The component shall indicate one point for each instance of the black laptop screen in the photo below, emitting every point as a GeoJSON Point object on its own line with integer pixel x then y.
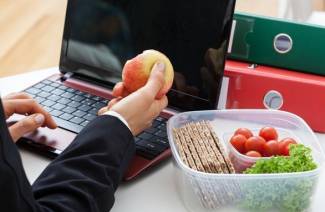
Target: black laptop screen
{"type": "Point", "coordinates": [100, 35]}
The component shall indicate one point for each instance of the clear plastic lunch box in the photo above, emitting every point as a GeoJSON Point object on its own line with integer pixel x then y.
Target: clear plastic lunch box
{"type": "Point", "coordinates": [251, 192]}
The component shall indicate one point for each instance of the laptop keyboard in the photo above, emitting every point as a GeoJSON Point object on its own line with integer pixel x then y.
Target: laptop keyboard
{"type": "Point", "coordinates": [73, 110]}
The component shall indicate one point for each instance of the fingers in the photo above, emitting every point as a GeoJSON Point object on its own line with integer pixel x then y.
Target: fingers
{"type": "Point", "coordinates": [110, 104]}
{"type": "Point", "coordinates": [156, 80]}
{"type": "Point", "coordinates": [28, 106]}
{"type": "Point", "coordinates": [162, 103]}
{"type": "Point", "coordinates": [113, 102]}
{"type": "Point", "coordinates": [26, 125]}
{"type": "Point", "coordinates": [159, 105]}
{"type": "Point", "coordinates": [20, 95]}
{"type": "Point", "coordinates": [119, 90]}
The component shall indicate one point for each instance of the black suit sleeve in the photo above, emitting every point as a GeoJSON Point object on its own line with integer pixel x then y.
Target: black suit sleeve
{"type": "Point", "coordinates": [83, 178]}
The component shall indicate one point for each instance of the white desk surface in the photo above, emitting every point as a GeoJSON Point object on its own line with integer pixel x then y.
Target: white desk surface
{"type": "Point", "coordinates": [153, 191]}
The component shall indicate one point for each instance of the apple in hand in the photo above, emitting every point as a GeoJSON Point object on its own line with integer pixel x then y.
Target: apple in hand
{"type": "Point", "coordinates": [136, 71]}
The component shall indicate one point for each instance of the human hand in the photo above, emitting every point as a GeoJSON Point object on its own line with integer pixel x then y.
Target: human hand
{"type": "Point", "coordinates": [22, 103]}
{"type": "Point", "coordinates": [141, 107]}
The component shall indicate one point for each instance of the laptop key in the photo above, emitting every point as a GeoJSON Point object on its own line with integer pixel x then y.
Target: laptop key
{"type": "Point", "coordinates": [47, 88]}
{"type": "Point", "coordinates": [48, 109]}
{"type": "Point", "coordinates": [148, 150]}
{"type": "Point", "coordinates": [78, 98]}
{"type": "Point", "coordinates": [54, 97]}
{"type": "Point", "coordinates": [67, 125]}
{"type": "Point", "coordinates": [96, 98]}
{"type": "Point", "coordinates": [89, 117]}
{"type": "Point", "coordinates": [93, 111]}
{"type": "Point", "coordinates": [47, 82]}
{"type": "Point", "coordinates": [99, 105]}
{"type": "Point", "coordinates": [146, 153]}
{"type": "Point", "coordinates": [57, 92]}
{"type": "Point", "coordinates": [159, 140]}
{"type": "Point", "coordinates": [79, 113]}
{"type": "Point", "coordinates": [33, 91]}
{"type": "Point", "coordinates": [161, 119]}
{"type": "Point", "coordinates": [84, 123]}
{"type": "Point", "coordinates": [161, 133]}
{"type": "Point", "coordinates": [66, 116]}
{"type": "Point", "coordinates": [84, 108]}
{"type": "Point", "coordinates": [88, 102]}
{"type": "Point", "coordinates": [162, 126]}
{"type": "Point", "coordinates": [44, 94]}
{"type": "Point", "coordinates": [151, 130]}
{"type": "Point", "coordinates": [63, 87]}
{"type": "Point", "coordinates": [56, 113]}
{"type": "Point", "coordinates": [78, 92]}
{"type": "Point", "coordinates": [75, 104]}
{"type": "Point", "coordinates": [67, 95]}
{"type": "Point", "coordinates": [55, 84]}
{"type": "Point", "coordinates": [88, 95]}
{"type": "Point", "coordinates": [39, 85]}
{"type": "Point", "coordinates": [155, 123]}
{"type": "Point", "coordinates": [145, 135]}
{"type": "Point", "coordinates": [105, 101]}
{"type": "Point", "coordinates": [69, 109]}
{"type": "Point", "coordinates": [77, 120]}
{"type": "Point", "coordinates": [48, 103]}
{"type": "Point", "coordinates": [64, 101]}
{"type": "Point", "coordinates": [40, 99]}
{"type": "Point", "coordinates": [71, 90]}
{"type": "Point", "coordinates": [151, 146]}
{"type": "Point", "coordinates": [58, 106]}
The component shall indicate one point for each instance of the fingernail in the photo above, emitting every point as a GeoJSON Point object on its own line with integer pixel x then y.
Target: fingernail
{"type": "Point", "coordinates": [161, 66]}
{"type": "Point", "coordinates": [39, 119]}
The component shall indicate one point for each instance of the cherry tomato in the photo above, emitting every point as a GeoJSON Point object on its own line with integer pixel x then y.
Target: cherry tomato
{"type": "Point", "coordinates": [244, 131]}
{"type": "Point", "coordinates": [284, 145]}
{"type": "Point", "coordinates": [271, 148]}
{"type": "Point", "coordinates": [238, 141]}
{"type": "Point", "coordinates": [268, 133]}
{"type": "Point", "coordinates": [253, 154]}
{"type": "Point", "coordinates": [255, 143]}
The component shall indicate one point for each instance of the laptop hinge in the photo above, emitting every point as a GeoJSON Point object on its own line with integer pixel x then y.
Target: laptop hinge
{"type": "Point", "coordinates": [66, 76]}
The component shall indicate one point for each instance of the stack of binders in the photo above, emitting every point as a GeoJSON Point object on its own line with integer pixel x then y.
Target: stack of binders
{"type": "Point", "coordinates": [279, 65]}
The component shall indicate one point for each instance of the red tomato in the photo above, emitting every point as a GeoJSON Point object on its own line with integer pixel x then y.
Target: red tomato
{"type": "Point", "coordinates": [255, 143]}
{"type": "Point", "coordinates": [284, 145]}
{"type": "Point", "coordinates": [244, 131]}
{"type": "Point", "coordinates": [268, 133]}
{"type": "Point", "coordinates": [253, 154]}
{"type": "Point", "coordinates": [238, 141]}
{"type": "Point", "coordinates": [271, 148]}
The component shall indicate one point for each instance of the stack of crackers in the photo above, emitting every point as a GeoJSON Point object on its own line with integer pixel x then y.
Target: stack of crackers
{"type": "Point", "coordinates": [200, 148]}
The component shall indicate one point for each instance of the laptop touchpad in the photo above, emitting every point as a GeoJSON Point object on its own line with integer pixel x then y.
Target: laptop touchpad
{"type": "Point", "coordinates": [58, 139]}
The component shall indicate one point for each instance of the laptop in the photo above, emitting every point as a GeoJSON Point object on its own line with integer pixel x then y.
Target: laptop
{"type": "Point", "coordinates": [101, 35]}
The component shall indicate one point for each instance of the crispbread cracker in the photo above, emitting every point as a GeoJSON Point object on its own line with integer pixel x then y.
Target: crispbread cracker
{"type": "Point", "coordinates": [180, 147]}
{"type": "Point", "coordinates": [221, 148]}
{"type": "Point", "coordinates": [192, 150]}
{"type": "Point", "coordinates": [212, 160]}
{"type": "Point", "coordinates": [200, 148]}
{"type": "Point", "coordinates": [183, 146]}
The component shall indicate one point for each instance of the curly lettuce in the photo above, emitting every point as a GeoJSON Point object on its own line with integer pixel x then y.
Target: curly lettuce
{"type": "Point", "coordinates": [281, 194]}
{"type": "Point", "coordinates": [300, 160]}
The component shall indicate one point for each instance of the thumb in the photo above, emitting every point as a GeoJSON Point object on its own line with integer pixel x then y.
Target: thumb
{"type": "Point", "coordinates": [26, 125]}
{"type": "Point", "coordinates": [157, 79]}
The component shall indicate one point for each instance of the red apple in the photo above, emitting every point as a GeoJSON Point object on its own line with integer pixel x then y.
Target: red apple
{"type": "Point", "coordinates": [136, 71]}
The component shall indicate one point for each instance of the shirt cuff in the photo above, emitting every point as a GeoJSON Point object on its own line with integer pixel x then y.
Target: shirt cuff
{"type": "Point", "coordinates": [117, 115]}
